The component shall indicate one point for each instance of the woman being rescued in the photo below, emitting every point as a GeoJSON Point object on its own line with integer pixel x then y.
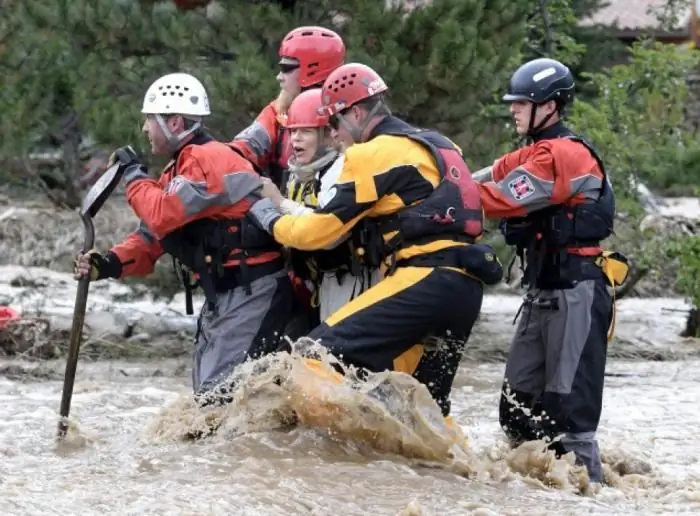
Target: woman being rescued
{"type": "Point", "coordinates": [332, 276]}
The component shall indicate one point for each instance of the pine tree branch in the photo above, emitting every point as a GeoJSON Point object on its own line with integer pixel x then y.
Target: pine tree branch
{"type": "Point", "coordinates": [547, 29]}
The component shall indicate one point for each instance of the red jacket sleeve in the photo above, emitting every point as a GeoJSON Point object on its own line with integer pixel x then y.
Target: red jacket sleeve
{"type": "Point", "coordinates": [524, 181]}
{"type": "Point", "coordinates": [201, 189]}
{"type": "Point", "coordinates": [138, 253]}
{"type": "Point", "coordinates": [258, 142]}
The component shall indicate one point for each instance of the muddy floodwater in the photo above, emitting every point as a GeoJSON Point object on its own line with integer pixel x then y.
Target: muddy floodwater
{"type": "Point", "coordinates": [127, 451]}
{"type": "Point", "coordinates": [121, 458]}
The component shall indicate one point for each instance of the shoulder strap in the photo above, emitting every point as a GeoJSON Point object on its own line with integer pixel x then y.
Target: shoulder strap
{"type": "Point", "coordinates": [595, 155]}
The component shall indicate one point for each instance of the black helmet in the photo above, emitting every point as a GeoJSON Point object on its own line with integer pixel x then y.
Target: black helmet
{"type": "Point", "coordinates": [541, 80]}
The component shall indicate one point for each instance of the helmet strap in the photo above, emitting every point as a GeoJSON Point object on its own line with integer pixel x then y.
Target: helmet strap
{"type": "Point", "coordinates": [311, 86]}
{"type": "Point", "coordinates": [175, 142]}
{"type": "Point", "coordinates": [356, 130]}
{"type": "Point", "coordinates": [531, 129]}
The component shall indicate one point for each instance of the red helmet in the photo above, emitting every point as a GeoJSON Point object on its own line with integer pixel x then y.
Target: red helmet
{"type": "Point", "coordinates": [318, 51]}
{"type": "Point", "coordinates": [350, 84]}
{"type": "Point", "coordinates": [307, 111]}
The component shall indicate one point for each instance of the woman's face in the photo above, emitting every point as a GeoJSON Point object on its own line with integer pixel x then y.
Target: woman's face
{"type": "Point", "coordinates": [305, 143]}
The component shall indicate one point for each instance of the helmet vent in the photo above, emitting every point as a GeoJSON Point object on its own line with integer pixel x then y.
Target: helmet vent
{"type": "Point", "coordinates": [172, 90]}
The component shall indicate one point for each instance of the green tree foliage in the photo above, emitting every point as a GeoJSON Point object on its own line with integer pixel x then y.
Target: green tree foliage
{"type": "Point", "coordinates": [443, 63]}
{"type": "Point", "coordinates": [687, 252]}
{"type": "Point", "coordinates": [81, 67]}
{"type": "Point", "coordinates": [636, 118]}
{"type": "Point", "coordinates": [555, 30]}
{"type": "Point", "coordinates": [637, 121]}
{"type": "Point", "coordinates": [95, 58]}
{"type": "Point", "coordinates": [551, 24]}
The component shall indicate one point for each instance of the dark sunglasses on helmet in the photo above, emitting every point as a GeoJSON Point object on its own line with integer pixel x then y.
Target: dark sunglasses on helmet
{"type": "Point", "coordinates": [288, 67]}
{"type": "Point", "coordinates": [334, 120]}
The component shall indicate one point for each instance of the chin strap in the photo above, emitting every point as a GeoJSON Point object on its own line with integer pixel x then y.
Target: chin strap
{"type": "Point", "coordinates": [175, 142]}
{"type": "Point", "coordinates": [357, 130]}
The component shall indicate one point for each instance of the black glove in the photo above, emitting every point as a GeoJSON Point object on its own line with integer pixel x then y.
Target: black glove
{"type": "Point", "coordinates": [101, 266]}
{"type": "Point", "coordinates": [130, 164]}
{"type": "Point", "coordinates": [125, 156]}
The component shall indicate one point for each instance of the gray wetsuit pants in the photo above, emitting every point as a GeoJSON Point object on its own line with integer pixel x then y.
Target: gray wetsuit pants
{"type": "Point", "coordinates": [556, 368]}
{"type": "Point", "coordinates": [242, 326]}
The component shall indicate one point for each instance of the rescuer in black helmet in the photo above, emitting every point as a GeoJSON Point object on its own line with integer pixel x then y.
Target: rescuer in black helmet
{"type": "Point", "coordinates": [539, 81]}
{"type": "Point", "coordinates": [556, 206]}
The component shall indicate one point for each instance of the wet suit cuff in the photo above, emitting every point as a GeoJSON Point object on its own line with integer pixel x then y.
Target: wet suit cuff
{"type": "Point", "coordinates": [135, 172]}
{"type": "Point", "coordinates": [111, 266]}
{"type": "Point", "coordinates": [265, 213]}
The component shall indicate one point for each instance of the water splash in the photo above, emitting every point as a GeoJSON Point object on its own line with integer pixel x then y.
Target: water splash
{"type": "Point", "coordinates": [390, 411]}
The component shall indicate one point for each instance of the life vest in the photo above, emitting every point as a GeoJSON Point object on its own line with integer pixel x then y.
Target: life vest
{"type": "Point", "coordinates": [453, 208]}
{"type": "Point", "coordinates": [222, 253]}
{"type": "Point", "coordinates": [303, 192]}
{"type": "Point", "coordinates": [544, 239]}
{"type": "Point", "coordinates": [304, 181]}
{"type": "Point", "coordinates": [310, 265]}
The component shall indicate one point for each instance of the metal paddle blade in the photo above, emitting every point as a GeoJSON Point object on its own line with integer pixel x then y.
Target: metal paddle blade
{"type": "Point", "coordinates": [100, 191]}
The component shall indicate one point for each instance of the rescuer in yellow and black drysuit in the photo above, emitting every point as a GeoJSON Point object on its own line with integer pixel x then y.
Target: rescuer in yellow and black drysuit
{"type": "Point", "coordinates": [408, 199]}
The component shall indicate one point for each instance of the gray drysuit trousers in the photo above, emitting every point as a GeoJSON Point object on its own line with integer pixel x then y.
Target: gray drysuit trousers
{"type": "Point", "coordinates": [242, 326]}
{"type": "Point", "coordinates": [556, 368]}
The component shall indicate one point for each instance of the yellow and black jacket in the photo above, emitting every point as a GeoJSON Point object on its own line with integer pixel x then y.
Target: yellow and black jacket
{"type": "Point", "coordinates": [380, 178]}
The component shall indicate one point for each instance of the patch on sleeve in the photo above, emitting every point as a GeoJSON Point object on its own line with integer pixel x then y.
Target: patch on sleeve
{"type": "Point", "coordinates": [521, 187]}
{"type": "Point", "coordinates": [174, 184]}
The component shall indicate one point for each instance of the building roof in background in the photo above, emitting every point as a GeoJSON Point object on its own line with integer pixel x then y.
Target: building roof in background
{"type": "Point", "coordinates": [629, 15]}
{"type": "Point", "coordinates": [633, 15]}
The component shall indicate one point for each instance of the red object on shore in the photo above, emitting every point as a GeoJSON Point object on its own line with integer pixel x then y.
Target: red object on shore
{"type": "Point", "coordinates": [7, 315]}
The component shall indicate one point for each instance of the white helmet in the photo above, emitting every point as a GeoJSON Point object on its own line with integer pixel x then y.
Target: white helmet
{"type": "Point", "coordinates": [176, 94]}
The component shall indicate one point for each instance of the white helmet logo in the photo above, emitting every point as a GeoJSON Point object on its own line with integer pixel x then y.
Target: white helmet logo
{"type": "Point", "coordinates": [375, 86]}
{"type": "Point", "coordinates": [547, 72]}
